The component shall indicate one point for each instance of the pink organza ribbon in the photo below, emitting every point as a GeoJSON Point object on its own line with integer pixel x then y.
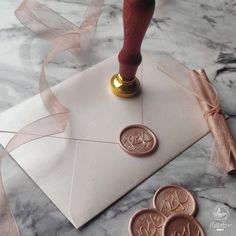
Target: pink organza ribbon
{"type": "Point", "coordinates": [64, 35]}
{"type": "Point", "coordinates": [183, 75]}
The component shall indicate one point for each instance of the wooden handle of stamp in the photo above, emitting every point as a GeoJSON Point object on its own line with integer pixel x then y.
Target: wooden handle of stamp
{"type": "Point", "coordinates": [137, 15]}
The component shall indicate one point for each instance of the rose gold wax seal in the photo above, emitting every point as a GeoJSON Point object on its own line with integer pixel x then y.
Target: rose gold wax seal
{"type": "Point", "coordinates": [147, 221]}
{"type": "Point", "coordinates": [182, 224]}
{"type": "Point", "coordinates": [173, 199]}
{"type": "Point", "coordinates": [138, 140]}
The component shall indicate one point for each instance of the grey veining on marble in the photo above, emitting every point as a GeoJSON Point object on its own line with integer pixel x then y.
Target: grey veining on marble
{"type": "Point", "coordinates": [197, 32]}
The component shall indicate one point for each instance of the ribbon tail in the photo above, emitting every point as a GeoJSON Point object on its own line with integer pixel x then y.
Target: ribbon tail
{"type": "Point", "coordinates": [8, 224]}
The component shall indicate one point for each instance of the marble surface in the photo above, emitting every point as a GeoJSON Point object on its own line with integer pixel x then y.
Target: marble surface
{"type": "Point", "coordinates": [197, 32]}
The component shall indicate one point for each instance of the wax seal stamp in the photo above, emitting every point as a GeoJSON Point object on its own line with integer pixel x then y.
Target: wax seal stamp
{"type": "Point", "coordinates": [146, 222]}
{"type": "Point", "coordinates": [182, 224]}
{"type": "Point", "coordinates": [138, 140]}
{"type": "Point", "coordinates": [173, 199]}
{"type": "Point", "coordinates": [137, 15]}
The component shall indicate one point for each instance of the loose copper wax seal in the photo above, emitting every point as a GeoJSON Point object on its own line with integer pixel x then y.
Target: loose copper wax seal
{"type": "Point", "coordinates": [147, 221]}
{"type": "Point", "coordinates": [182, 224]}
{"type": "Point", "coordinates": [173, 199]}
{"type": "Point", "coordinates": [138, 140]}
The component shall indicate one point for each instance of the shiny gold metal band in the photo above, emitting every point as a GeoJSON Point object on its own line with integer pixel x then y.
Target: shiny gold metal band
{"type": "Point", "coordinates": [124, 88]}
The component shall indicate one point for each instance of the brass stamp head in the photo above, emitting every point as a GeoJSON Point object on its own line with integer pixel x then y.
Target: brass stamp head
{"type": "Point", "coordinates": [124, 88]}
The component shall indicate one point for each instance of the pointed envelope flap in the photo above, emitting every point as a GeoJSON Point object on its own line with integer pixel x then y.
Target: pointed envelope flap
{"type": "Point", "coordinates": [84, 170]}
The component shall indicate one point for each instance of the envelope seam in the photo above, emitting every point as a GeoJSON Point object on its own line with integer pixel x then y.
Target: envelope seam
{"type": "Point", "coordinates": [71, 186]}
{"type": "Point", "coordinates": [57, 137]}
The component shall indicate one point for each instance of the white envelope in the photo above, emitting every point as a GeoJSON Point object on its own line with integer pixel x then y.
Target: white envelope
{"type": "Point", "coordinates": [84, 170]}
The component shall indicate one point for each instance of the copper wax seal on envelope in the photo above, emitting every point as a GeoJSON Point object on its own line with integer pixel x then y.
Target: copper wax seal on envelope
{"type": "Point", "coordinates": [147, 221]}
{"type": "Point", "coordinates": [182, 224]}
{"type": "Point", "coordinates": [138, 140]}
{"type": "Point", "coordinates": [173, 199]}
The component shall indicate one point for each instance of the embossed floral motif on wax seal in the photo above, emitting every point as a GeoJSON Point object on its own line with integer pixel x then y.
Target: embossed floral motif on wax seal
{"type": "Point", "coordinates": [182, 225]}
{"type": "Point", "coordinates": [138, 140]}
{"type": "Point", "coordinates": [174, 199]}
{"type": "Point", "coordinates": [147, 222]}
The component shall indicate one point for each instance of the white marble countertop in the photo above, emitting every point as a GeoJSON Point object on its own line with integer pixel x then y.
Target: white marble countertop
{"type": "Point", "coordinates": [197, 32]}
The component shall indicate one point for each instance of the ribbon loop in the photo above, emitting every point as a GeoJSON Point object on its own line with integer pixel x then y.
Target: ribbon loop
{"type": "Point", "coordinates": [64, 35]}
